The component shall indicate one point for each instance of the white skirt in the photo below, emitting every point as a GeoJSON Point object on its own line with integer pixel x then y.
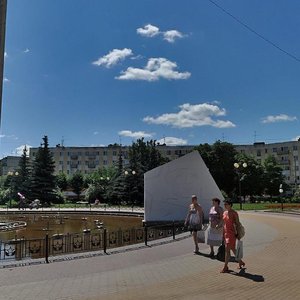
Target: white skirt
{"type": "Point", "coordinates": [214, 236]}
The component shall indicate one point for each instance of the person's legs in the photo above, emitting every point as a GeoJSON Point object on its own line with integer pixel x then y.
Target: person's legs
{"type": "Point", "coordinates": [241, 263]}
{"type": "Point", "coordinates": [227, 257]}
{"type": "Point", "coordinates": [211, 251]}
{"type": "Point", "coordinates": [195, 241]}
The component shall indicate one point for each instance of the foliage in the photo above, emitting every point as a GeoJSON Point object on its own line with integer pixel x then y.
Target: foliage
{"type": "Point", "coordinates": [5, 195]}
{"type": "Point", "coordinates": [273, 176]}
{"type": "Point", "coordinates": [43, 179]}
{"type": "Point", "coordinates": [251, 177]}
{"type": "Point", "coordinates": [23, 181]}
{"type": "Point", "coordinates": [98, 184]}
{"type": "Point", "coordinates": [76, 182]}
{"type": "Point", "coordinates": [219, 159]}
{"type": "Point", "coordinates": [61, 181]}
{"type": "Point", "coordinates": [143, 157]}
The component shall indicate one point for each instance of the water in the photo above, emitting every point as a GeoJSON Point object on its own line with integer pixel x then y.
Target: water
{"type": "Point", "coordinates": [40, 224]}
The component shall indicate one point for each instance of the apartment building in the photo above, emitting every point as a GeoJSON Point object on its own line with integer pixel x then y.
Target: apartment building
{"type": "Point", "coordinates": [87, 159]}
{"type": "Point", "coordinates": [9, 164]}
{"type": "Point", "coordinates": [286, 153]}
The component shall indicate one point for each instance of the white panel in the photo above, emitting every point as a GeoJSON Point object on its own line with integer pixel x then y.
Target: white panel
{"type": "Point", "coordinates": [168, 188]}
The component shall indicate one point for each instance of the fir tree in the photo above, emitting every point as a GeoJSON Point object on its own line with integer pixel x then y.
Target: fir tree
{"type": "Point", "coordinates": [43, 179]}
{"type": "Point", "coordinates": [23, 178]}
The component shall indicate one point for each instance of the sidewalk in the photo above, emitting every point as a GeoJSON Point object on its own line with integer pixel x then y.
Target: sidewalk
{"type": "Point", "coordinates": [172, 271]}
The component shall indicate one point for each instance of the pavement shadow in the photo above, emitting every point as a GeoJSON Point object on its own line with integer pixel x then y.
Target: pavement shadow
{"type": "Point", "coordinates": [243, 273]}
{"type": "Point", "coordinates": [205, 255]}
{"type": "Point", "coordinates": [232, 258]}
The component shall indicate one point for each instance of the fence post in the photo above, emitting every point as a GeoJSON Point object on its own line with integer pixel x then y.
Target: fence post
{"type": "Point", "coordinates": [104, 240]}
{"type": "Point", "coordinates": [146, 235]}
{"type": "Point", "coordinates": [47, 248]}
{"type": "Point", "coordinates": [173, 229]}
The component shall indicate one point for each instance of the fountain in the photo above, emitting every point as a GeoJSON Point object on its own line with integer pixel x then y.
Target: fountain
{"type": "Point", "coordinates": [12, 225]}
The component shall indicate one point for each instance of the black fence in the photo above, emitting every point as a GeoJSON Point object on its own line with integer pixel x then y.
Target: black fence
{"type": "Point", "coordinates": [94, 240]}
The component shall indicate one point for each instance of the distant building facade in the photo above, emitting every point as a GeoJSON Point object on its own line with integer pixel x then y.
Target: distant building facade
{"type": "Point", "coordinates": [88, 159]}
{"type": "Point", "coordinates": [9, 164]}
{"type": "Point", "coordinates": [286, 153]}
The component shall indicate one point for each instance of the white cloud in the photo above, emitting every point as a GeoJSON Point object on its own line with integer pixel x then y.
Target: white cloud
{"type": "Point", "coordinates": [5, 79]}
{"type": "Point", "coordinates": [19, 150]}
{"type": "Point", "coordinates": [155, 69]}
{"type": "Point", "coordinates": [148, 31]}
{"type": "Point", "coordinates": [12, 136]}
{"type": "Point", "coordinates": [135, 134]}
{"type": "Point", "coordinates": [5, 54]}
{"type": "Point", "coordinates": [172, 141]}
{"type": "Point", "coordinates": [172, 35]}
{"type": "Point", "coordinates": [26, 50]}
{"type": "Point", "coordinates": [95, 132]}
{"type": "Point", "coordinates": [113, 57]}
{"type": "Point", "coordinates": [297, 138]}
{"type": "Point", "coordinates": [278, 118]}
{"type": "Point", "coordinates": [193, 116]}
{"type": "Point", "coordinates": [152, 31]}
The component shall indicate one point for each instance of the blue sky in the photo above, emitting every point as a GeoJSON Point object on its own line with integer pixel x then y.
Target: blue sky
{"type": "Point", "coordinates": [97, 72]}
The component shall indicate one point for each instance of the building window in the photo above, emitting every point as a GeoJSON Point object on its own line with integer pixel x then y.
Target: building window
{"type": "Point", "coordinates": [295, 157]}
{"type": "Point", "coordinates": [266, 150]}
{"type": "Point", "coordinates": [258, 153]}
{"type": "Point", "coordinates": [274, 149]}
{"type": "Point", "coordinates": [295, 148]}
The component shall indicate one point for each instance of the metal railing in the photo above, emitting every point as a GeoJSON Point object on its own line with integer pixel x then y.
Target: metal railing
{"type": "Point", "coordinates": [94, 240]}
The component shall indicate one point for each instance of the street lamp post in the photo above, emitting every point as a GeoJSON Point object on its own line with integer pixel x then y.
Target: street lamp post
{"type": "Point", "coordinates": [238, 167]}
{"type": "Point", "coordinates": [281, 192]}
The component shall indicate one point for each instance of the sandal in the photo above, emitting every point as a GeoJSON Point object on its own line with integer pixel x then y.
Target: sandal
{"type": "Point", "coordinates": [224, 270]}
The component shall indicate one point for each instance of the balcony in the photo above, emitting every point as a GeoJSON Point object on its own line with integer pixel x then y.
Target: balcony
{"type": "Point", "coordinates": [283, 152]}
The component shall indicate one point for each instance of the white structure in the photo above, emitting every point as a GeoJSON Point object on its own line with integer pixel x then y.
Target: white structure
{"type": "Point", "coordinates": [168, 188]}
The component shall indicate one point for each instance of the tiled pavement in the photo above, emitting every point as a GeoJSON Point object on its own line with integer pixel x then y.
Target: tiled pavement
{"type": "Point", "coordinates": [172, 271]}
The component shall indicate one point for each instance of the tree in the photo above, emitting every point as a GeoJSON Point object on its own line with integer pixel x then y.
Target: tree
{"type": "Point", "coordinates": [99, 184]}
{"type": "Point", "coordinates": [251, 177]}
{"type": "Point", "coordinates": [273, 176]}
{"type": "Point", "coordinates": [24, 173]}
{"type": "Point", "coordinates": [117, 191]}
{"type": "Point", "coordinates": [76, 182]}
{"type": "Point", "coordinates": [219, 159]}
{"type": "Point", "coordinates": [43, 179]}
{"type": "Point", "coordinates": [143, 157]}
{"type": "Point", "coordinates": [61, 181]}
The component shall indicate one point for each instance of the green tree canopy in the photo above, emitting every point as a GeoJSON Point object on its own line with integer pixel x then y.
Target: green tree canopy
{"type": "Point", "coordinates": [219, 159]}
{"type": "Point", "coordinates": [273, 176]}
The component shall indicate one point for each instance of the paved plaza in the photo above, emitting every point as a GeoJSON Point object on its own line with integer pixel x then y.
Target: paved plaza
{"type": "Point", "coordinates": [171, 270]}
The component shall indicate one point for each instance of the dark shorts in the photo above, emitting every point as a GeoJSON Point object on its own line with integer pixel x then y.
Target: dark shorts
{"type": "Point", "coordinates": [195, 228]}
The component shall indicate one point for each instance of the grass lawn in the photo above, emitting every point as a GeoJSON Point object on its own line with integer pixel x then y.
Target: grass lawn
{"type": "Point", "coordinates": [264, 206]}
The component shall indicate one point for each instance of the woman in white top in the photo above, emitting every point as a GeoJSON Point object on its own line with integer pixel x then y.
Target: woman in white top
{"type": "Point", "coordinates": [194, 220]}
{"type": "Point", "coordinates": [215, 230]}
